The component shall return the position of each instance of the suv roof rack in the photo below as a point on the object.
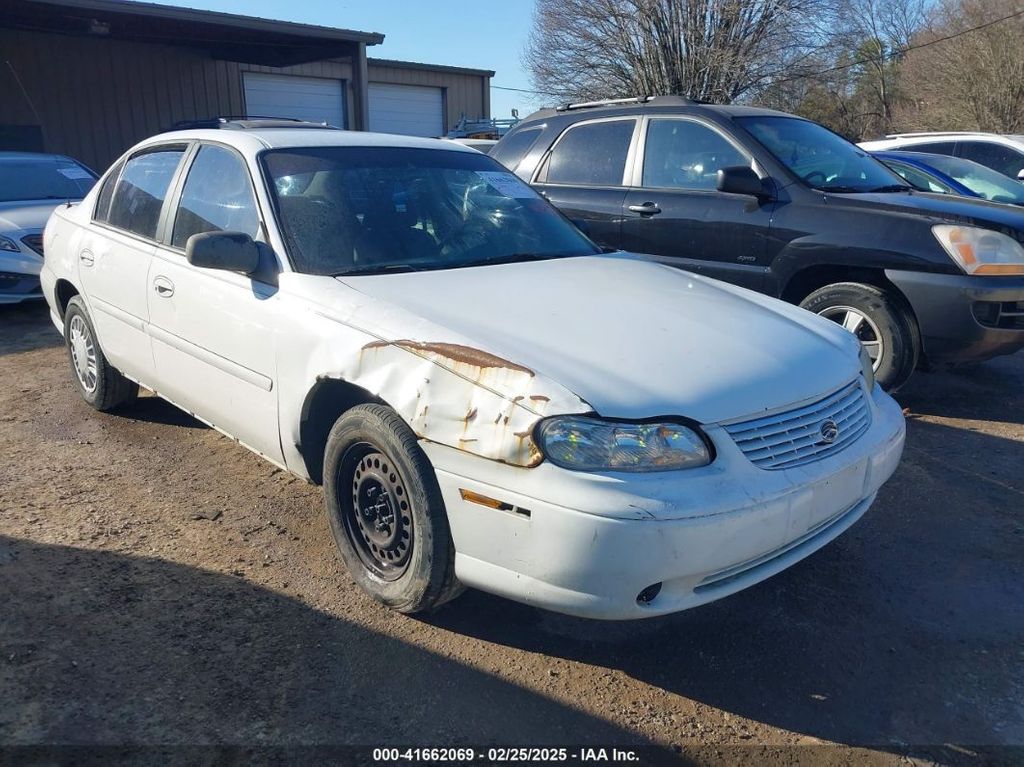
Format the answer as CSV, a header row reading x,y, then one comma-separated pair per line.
x,y
248,122
935,133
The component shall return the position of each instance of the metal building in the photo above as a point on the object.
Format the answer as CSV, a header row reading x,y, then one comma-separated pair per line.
x,y
89,78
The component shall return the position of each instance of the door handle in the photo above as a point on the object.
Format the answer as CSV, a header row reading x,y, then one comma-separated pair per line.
x,y
646,209
163,287
86,258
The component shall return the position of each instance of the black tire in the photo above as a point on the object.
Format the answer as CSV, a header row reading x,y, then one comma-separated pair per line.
x,y
379,484
887,317
101,384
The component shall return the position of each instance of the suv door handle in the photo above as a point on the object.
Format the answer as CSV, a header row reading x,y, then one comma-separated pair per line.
x,y
163,287
646,209
86,258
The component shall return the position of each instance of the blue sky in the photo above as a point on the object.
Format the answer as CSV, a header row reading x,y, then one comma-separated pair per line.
x,y
484,35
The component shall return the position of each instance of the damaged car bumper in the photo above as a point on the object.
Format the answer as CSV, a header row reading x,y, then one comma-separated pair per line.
x,y
624,546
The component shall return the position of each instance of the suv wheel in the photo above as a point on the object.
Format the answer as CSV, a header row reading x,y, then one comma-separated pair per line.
x,y
386,511
99,382
879,320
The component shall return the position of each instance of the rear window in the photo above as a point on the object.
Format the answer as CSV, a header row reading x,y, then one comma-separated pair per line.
x,y
590,154
511,150
139,195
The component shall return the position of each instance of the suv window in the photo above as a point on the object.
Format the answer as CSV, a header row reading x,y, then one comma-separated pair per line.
x,y
934,147
1004,159
217,197
511,150
684,154
591,154
141,190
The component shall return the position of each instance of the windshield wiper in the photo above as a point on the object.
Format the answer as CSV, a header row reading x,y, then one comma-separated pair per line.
x,y
840,189
511,258
378,269
891,188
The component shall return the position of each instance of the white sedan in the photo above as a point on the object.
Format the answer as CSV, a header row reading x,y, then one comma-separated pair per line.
x,y
488,400
31,185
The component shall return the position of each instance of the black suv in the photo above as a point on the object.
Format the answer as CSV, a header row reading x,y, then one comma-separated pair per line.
x,y
784,206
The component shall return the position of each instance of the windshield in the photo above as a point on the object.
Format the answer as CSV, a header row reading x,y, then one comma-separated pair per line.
x,y
820,158
990,184
43,178
350,210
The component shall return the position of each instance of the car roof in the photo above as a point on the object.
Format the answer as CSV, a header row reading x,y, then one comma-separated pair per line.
x,y
915,138
256,139
649,105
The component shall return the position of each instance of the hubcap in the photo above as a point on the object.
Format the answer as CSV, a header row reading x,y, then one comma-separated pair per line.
x,y
378,520
83,353
861,326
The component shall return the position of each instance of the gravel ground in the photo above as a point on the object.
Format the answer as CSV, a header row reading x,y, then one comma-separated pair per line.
x,y
159,584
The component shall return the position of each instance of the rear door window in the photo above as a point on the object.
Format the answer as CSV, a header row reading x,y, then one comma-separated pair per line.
x,y
141,190
590,154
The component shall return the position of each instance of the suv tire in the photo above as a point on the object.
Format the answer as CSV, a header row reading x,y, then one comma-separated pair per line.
x,y
879,319
99,382
386,511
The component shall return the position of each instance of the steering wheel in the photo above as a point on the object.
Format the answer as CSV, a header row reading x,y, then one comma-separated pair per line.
x,y
814,173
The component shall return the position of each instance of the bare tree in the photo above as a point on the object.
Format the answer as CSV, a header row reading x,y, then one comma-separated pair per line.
x,y
713,50
960,79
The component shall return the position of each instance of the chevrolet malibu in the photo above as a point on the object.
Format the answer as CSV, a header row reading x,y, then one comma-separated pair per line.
x,y
487,398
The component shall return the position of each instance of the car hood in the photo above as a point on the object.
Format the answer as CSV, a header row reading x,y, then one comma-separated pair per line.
x,y
25,215
632,338
943,208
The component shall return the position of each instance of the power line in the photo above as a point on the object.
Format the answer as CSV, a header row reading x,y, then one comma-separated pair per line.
x,y
523,90
908,49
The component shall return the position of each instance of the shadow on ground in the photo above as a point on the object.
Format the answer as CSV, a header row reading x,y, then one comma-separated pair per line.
x,y
103,648
906,630
25,327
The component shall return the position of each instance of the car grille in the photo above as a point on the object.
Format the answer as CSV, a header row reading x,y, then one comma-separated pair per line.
x,y
34,241
795,437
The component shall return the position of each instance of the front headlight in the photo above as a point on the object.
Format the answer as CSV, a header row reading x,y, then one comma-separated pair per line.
x,y
867,368
8,244
981,251
585,443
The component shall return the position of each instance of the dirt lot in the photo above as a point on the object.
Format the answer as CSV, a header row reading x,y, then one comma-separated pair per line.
x,y
160,584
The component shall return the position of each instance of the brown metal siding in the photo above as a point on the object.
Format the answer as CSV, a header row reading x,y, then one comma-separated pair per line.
x,y
96,97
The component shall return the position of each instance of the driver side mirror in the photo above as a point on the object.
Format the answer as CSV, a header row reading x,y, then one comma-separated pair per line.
x,y
741,179
229,251
1020,175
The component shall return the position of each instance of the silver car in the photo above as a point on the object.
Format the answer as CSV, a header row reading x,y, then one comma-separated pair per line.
x,y
31,186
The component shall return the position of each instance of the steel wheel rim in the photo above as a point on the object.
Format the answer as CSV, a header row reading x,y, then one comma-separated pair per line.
x,y
862,326
83,353
377,515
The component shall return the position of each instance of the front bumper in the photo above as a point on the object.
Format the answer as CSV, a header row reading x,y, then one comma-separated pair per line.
x,y
589,544
19,272
964,318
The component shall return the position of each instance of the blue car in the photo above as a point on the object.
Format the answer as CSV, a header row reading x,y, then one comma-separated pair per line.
x,y
953,175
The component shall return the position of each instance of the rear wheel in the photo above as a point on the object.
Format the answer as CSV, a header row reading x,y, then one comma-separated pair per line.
x,y
99,382
879,320
386,512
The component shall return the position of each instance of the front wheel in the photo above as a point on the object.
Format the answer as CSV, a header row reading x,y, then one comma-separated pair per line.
x,y
386,512
99,382
880,322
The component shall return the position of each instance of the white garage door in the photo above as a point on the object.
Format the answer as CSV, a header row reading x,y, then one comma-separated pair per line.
x,y
315,99
413,110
